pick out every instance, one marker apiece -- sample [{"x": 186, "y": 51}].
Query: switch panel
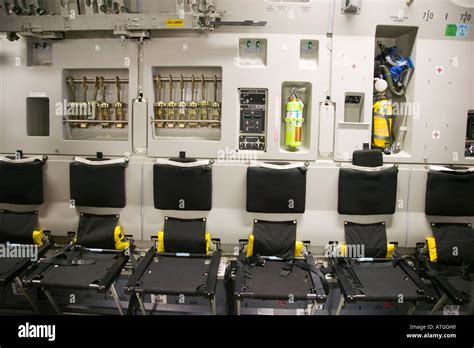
[
  {"x": 249, "y": 142},
  {"x": 253, "y": 113}
]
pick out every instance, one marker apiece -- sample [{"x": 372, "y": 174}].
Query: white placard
[
  {"x": 451, "y": 310},
  {"x": 37, "y": 94},
  {"x": 159, "y": 299},
  {"x": 266, "y": 311}
]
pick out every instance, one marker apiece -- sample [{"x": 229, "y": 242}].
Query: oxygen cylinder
[
  {"x": 382, "y": 124},
  {"x": 294, "y": 122}
]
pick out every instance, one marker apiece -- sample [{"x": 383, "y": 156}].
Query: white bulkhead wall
[{"x": 443, "y": 100}]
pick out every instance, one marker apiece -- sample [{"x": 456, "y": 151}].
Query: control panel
[{"x": 253, "y": 113}]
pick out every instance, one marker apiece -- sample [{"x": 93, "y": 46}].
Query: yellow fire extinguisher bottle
[
  {"x": 382, "y": 128},
  {"x": 294, "y": 122}
]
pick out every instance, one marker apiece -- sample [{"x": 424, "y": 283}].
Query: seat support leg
[
  {"x": 116, "y": 298},
  {"x": 238, "y": 304},
  {"x": 341, "y": 305},
  {"x": 27, "y": 295},
  {"x": 141, "y": 304},
  {"x": 213, "y": 305},
  {"x": 412, "y": 309},
  {"x": 52, "y": 301},
  {"x": 439, "y": 304},
  {"x": 314, "y": 304}
]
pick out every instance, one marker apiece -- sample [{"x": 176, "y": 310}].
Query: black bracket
[
  {"x": 420, "y": 245},
  {"x": 243, "y": 243},
  {"x": 129, "y": 237},
  {"x": 19, "y": 154},
  {"x": 71, "y": 235},
  {"x": 217, "y": 242}
]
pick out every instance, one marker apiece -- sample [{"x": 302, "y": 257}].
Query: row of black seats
[{"x": 273, "y": 266}]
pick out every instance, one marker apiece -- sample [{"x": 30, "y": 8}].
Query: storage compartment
[
  {"x": 354, "y": 107},
  {"x": 252, "y": 53},
  {"x": 96, "y": 107},
  {"x": 399, "y": 43},
  {"x": 309, "y": 54},
  {"x": 93, "y": 7},
  {"x": 296, "y": 136},
  {"x": 39, "y": 53},
  {"x": 37, "y": 117},
  {"x": 188, "y": 103}
]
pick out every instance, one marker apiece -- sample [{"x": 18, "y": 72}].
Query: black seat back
[
  {"x": 17, "y": 228},
  {"x": 185, "y": 236},
  {"x": 97, "y": 231},
  {"x": 368, "y": 192},
  {"x": 275, "y": 239},
  {"x": 21, "y": 183},
  {"x": 100, "y": 185},
  {"x": 367, "y": 240}
]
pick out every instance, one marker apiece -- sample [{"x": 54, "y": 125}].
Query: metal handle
[
  {"x": 187, "y": 79},
  {"x": 92, "y": 81},
  {"x": 117, "y": 84},
  {"x": 182, "y": 88},
  {"x": 84, "y": 89},
  {"x": 203, "y": 88},
  {"x": 215, "y": 88},
  {"x": 171, "y": 88},
  {"x": 160, "y": 87},
  {"x": 72, "y": 88},
  {"x": 102, "y": 87},
  {"x": 96, "y": 87}
]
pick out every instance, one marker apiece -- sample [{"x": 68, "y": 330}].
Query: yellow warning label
[{"x": 175, "y": 22}]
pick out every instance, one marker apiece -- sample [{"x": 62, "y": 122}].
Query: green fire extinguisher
[{"x": 294, "y": 120}]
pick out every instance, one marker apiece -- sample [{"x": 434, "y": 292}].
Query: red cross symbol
[
  {"x": 436, "y": 135},
  {"x": 439, "y": 70},
  {"x": 354, "y": 66}
]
